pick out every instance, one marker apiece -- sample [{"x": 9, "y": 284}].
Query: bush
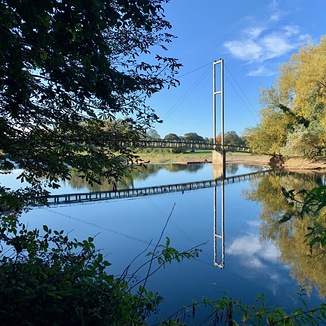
[{"x": 51, "y": 280}]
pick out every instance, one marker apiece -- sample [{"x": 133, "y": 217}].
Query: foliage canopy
[
  {"x": 293, "y": 118},
  {"x": 74, "y": 78},
  {"x": 65, "y": 67}
]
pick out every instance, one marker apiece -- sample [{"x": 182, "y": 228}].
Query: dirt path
[{"x": 262, "y": 160}]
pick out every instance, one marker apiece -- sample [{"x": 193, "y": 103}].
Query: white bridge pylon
[
  {"x": 219, "y": 161},
  {"x": 218, "y": 158}
]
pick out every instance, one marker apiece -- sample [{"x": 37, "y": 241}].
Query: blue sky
[{"x": 254, "y": 37}]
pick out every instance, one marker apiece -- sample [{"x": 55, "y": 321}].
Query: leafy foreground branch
[
  {"x": 309, "y": 203},
  {"x": 228, "y": 311}
]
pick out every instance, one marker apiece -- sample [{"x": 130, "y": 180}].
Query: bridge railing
[{"x": 184, "y": 145}]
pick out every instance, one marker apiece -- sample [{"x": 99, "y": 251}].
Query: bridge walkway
[{"x": 184, "y": 145}]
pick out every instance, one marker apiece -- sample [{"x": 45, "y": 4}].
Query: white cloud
[
  {"x": 260, "y": 257},
  {"x": 254, "y": 223},
  {"x": 273, "y": 5},
  {"x": 304, "y": 38},
  {"x": 291, "y": 30},
  {"x": 259, "y": 49},
  {"x": 254, "y": 32},
  {"x": 254, "y": 252},
  {"x": 261, "y": 71},
  {"x": 275, "y": 45},
  {"x": 265, "y": 41},
  {"x": 274, "y": 17},
  {"x": 276, "y": 14},
  {"x": 246, "y": 50}
]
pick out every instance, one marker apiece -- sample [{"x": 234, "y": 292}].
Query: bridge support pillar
[{"x": 218, "y": 160}]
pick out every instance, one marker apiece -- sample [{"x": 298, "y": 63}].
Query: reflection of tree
[
  {"x": 232, "y": 168},
  {"x": 77, "y": 182},
  {"x": 183, "y": 167},
  {"x": 134, "y": 173},
  {"x": 307, "y": 267}
]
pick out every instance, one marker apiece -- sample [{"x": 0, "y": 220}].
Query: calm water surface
[{"x": 257, "y": 260}]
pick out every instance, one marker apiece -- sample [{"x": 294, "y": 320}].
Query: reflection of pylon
[{"x": 219, "y": 259}]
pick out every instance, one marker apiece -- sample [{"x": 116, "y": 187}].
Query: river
[{"x": 257, "y": 257}]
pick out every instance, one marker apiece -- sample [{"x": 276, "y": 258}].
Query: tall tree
[
  {"x": 68, "y": 70},
  {"x": 65, "y": 67},
  {"x": 294, "y": 108}
]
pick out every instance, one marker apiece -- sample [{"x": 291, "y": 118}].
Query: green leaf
[{"x": 43, "y": 55}]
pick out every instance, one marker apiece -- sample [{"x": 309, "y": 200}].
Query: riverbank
[
  {"x": 292, "y": 164},
  {"x": 302, "y": 164}
]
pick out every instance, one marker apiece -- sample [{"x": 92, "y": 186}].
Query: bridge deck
[
  {"x": 184, "y": 145},
  {"x": 64, "y": 199}
]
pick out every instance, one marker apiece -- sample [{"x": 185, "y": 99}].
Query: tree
[
  {"x": 68, "y": 70},
  {"x": 302, "y": 83},
  {"x": 172, "y": 137},
  {"x": 175, "y": 138},
  {"x": 307, "y": 142},
  {"x": 153, "y": 134},
  {"x": 231, "y": 138},
  {"x": 293, "y": 104},
  {"x": 192, "y": 136},
  {"x": 68, "y": 66},
  {"x": 270, "y": 134},
  {"x": 209, "y": 140}
]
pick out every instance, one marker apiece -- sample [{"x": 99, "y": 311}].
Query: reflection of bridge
[
  {"x": 184, "y": 145},
  {"x": 78, "y": 198}
]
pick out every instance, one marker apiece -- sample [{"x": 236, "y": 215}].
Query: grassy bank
[{"x": 166, "y": 156}]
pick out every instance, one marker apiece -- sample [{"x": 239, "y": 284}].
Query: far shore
[{"x": 316, "y": 165}]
